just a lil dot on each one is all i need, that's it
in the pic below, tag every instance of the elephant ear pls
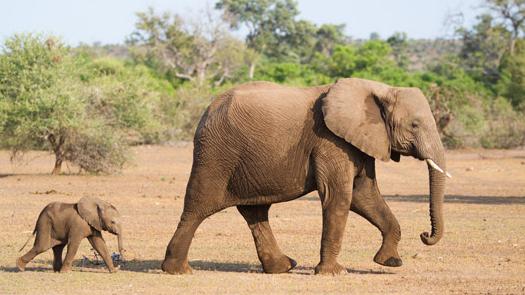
(355, 110)
(89, 209)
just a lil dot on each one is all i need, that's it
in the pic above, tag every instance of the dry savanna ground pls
(483, 250)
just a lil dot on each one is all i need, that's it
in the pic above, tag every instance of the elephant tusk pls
(435, 166)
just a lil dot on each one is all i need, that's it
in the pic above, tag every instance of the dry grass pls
(483, 250)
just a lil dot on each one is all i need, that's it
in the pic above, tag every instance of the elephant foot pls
(175, 267)
(388, 258)
(20, 264)
(280, 265)
(65, 269)
(330, 269)
(57, 266)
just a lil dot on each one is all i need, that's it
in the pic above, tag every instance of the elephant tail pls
(28, 239)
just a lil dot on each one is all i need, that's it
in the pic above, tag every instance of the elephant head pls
(101, 215)
(385, 122)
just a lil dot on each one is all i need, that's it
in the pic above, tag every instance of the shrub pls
(506, 127)
(46, 104)
(97, 149)
(183, 111)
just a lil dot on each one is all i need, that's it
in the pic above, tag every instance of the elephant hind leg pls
(369, 203)
(203, 198)
(57, 257)
(270, 255)
(176, 259)
(42, 243)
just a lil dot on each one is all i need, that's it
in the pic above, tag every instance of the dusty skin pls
(482, 251)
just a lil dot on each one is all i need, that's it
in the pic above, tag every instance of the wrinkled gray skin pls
(261, 143)
(61, 224)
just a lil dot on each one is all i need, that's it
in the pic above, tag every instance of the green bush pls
(183, 110)
(83, 111)
(506, 127)
(97, 149)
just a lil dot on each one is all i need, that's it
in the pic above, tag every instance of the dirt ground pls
(482, 252)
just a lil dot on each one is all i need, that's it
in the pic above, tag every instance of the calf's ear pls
(89, 209)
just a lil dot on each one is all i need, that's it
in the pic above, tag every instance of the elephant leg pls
(336, 206)
(203, 199)
(57, 257)
(368, 202)
(270, 255)
(99, 245)
(72, 248)
(43, 242)
(176, 259)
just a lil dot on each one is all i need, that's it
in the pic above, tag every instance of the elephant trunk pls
(437, 195)
(121, 248)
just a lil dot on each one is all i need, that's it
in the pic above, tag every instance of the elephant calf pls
(59, 224)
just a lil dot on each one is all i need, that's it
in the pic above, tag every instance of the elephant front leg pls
(272, 258)
(368, 202)
(336, 206)
(99, 245)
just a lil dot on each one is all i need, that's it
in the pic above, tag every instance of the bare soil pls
(482, 252)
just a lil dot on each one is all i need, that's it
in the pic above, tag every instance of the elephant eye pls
(113, 221)
(415, 124)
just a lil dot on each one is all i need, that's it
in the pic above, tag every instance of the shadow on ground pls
(482, 200)
(489, 200)
(28, 269)
(153, 266)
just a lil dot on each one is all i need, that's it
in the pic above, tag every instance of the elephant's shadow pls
(153, 266)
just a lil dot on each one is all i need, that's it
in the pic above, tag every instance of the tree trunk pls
(512, 45)
(59, 153)
(58, 165)
(251, 72)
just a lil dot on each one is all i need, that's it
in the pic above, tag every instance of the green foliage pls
(40, 93)
(87, 104)
(84, 111)
(290, 73)
(97, 148)
(268, 22)
(184, 110)
(483, 48)
(512, 82)
(128, 98)
(506, 128)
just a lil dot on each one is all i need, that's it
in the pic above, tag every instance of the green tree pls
(83, 111)
(399, 44)
(512, 82)
(511, 14)
(328, 36)
(268, 22)
(483, 48)
(192, 51)
(127, 98)
(40, 94)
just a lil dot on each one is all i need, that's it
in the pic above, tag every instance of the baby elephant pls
(60, 224)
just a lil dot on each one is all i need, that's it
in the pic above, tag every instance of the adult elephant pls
(261, 143)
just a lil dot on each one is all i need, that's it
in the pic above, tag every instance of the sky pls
(111, 21)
